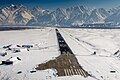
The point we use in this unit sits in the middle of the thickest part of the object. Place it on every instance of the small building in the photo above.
(94, 53)
(12, 60)
(3, 53)
(15, 50)
(27, 46)
(8, 46)
(18, 45)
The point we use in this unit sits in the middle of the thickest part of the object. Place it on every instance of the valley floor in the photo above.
(97, 51)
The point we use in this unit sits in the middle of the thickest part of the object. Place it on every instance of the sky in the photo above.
(53, 4)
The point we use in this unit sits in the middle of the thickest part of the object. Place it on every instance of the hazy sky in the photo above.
(53, 4)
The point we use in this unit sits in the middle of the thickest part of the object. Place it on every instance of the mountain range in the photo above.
(73, 16)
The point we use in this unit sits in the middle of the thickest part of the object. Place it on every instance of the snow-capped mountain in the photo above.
(98, 15)
(15, 15)
(114, 18)
(78, 15)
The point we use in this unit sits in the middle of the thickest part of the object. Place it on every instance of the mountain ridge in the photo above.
(72, 16)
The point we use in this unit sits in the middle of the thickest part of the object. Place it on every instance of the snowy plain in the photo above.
(45, 48)
(104, 65)
(83, 43)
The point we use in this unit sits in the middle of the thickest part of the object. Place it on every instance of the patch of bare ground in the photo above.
(65, 64)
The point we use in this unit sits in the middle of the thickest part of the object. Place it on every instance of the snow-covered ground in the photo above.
(45, 48)
(104, 65)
